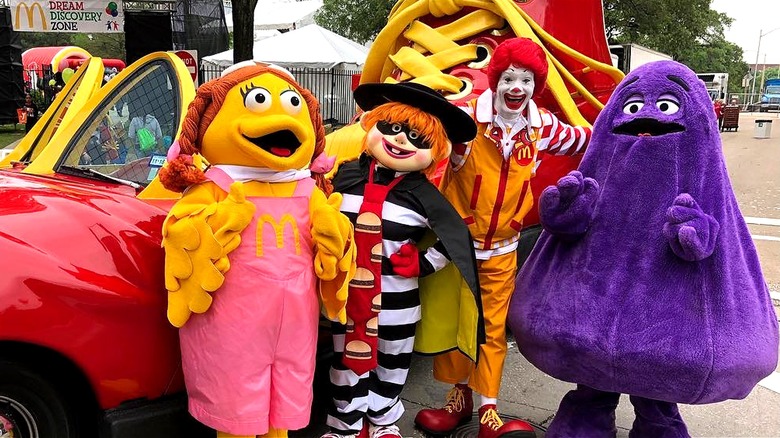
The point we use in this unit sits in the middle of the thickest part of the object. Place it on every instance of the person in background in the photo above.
(145, 132)
(718, 107)
(32, 113)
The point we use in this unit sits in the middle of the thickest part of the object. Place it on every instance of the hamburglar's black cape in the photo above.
(451, 300)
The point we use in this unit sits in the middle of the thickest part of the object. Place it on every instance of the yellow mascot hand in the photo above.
(190, 274)
(231, 216)
(331, 231)
(197, 236)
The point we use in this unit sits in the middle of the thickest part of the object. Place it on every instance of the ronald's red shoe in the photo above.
(364, 431)
(458, 410)
(491, 426)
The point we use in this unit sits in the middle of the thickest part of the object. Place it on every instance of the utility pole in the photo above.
(761, 34)
(763, 74)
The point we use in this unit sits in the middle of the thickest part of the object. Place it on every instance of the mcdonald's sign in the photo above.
(30, 12)
(278, 231)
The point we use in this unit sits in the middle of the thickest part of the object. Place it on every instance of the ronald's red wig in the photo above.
(521, 52)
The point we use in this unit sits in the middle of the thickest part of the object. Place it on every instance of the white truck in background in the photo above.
(631, 56)
(717, 84)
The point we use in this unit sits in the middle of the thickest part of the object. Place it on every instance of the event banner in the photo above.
(88, 16)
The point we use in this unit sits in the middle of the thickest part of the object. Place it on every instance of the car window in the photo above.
(131, 130)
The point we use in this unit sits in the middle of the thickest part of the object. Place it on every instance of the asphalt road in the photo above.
(754, 168)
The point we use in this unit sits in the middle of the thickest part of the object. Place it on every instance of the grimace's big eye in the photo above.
(667, 106)
(633, 106)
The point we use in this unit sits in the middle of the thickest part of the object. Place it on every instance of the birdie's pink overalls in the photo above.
(249, 360)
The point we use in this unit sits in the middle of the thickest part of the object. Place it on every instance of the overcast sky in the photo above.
(750, 18)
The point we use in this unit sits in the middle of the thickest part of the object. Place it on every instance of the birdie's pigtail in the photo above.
(180, 172)
(317, 171)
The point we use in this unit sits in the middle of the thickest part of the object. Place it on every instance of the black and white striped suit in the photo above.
(376, 394)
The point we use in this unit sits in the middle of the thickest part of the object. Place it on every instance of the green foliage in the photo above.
(10, 133)
(770, 73)
(687, 30)
(39, 99)
(104, 45)
(358, 20)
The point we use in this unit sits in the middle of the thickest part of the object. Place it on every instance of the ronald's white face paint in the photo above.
(513, 91)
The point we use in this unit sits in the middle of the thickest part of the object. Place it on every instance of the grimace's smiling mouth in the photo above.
(646, 127)
(279, 143)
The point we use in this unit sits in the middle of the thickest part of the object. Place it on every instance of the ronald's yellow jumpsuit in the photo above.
(488, 183)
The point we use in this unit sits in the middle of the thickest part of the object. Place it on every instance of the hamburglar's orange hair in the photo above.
(179, 174)
(427, 125)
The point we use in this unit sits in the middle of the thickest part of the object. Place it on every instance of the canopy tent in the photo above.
(265, 33)
(309, 47)
(280, 15)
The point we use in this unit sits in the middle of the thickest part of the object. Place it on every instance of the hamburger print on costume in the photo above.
(392, 205)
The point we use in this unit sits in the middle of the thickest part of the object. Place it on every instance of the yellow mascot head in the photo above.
(254, 115)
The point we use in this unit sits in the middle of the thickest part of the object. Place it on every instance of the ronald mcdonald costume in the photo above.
(488, 182)
(244, 232)
(394, 208)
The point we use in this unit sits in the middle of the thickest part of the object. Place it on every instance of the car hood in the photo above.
(97, 241)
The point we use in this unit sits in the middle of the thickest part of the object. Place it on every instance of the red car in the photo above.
(85, 347)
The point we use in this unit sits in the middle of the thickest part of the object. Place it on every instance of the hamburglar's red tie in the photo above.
(365, 299)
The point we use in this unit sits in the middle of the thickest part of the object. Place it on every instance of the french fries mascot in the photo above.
(245, 257)
(393, 206)
(488, 181)
(646, 281)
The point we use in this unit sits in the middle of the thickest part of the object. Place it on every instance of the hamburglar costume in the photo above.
(390, 209)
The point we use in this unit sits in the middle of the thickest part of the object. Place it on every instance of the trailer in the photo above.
(631, 56)
(717, 84)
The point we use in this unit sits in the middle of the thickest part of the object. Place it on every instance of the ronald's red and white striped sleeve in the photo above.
(558, 138)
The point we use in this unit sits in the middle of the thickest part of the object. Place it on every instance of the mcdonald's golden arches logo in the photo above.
(278, 231)
(30, 11)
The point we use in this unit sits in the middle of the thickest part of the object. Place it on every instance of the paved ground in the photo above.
(754, 167)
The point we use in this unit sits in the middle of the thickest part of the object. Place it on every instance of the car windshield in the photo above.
(127, 135)
(773, 90)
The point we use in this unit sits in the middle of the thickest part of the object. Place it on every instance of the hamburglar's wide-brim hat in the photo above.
(458, 125)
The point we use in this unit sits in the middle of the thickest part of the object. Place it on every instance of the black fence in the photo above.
(332, 87)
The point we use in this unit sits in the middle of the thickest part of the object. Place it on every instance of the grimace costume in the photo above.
(245, 257)
(646, 280)
(404, 230)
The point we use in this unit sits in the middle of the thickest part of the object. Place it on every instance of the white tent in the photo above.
(280, 15)
(310, 47)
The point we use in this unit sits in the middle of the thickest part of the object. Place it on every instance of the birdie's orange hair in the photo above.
(426, 124)
(179, 174)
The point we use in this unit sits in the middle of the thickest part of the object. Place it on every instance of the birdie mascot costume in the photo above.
(646, 280)
(245, 259)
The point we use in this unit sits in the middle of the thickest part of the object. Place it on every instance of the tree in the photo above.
(687, 30)
(243, 29)
(770, 73)
(104, 45)
(358, 20)
(28, 40)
